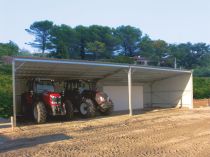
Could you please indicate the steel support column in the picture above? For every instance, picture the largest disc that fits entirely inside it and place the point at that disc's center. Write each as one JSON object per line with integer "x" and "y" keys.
{"x": 191, "y": 79}
{"x": 14, "y": 94}
{"x": 130, "y": 91}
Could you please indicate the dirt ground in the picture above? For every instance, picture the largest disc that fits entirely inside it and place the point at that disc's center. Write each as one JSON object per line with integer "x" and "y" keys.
{"x": 201, "y": 103}
{"x": 162, "y": 133}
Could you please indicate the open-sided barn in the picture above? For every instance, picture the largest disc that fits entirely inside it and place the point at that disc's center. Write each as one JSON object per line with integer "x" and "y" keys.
{"x": 131, "y": 87}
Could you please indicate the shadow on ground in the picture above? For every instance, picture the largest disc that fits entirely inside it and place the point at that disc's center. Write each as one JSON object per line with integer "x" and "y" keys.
{"x": 22, "y": 121}
{"x": 8, "y": 144}
{"x": 4, "y": 123}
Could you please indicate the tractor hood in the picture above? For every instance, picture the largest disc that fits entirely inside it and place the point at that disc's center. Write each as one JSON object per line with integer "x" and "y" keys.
{"x": 55, "y": 94}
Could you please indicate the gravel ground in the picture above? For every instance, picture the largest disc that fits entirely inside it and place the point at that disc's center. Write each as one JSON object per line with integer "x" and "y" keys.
{"x": 163, "y": 133}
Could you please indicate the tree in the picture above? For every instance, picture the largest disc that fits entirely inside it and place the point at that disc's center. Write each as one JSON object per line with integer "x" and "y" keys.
{"x": 191, "y": 55}
{"x": 8, "y": 49}
{"x": 41, "y": 31}
{"x": 155, "y": 50}
{"x": 104, "y": 35}
{"x": 146, "y": 47}
{"x": 63, "y": 40}
{"x": 160, "y": 50}
{"x": 201, "y": 54}
{"x": 94, "y": 34}
{"x": 98, "y": 48}
{"x": 83, "y": 37}
{"x": 107, "y": 43}
{"x": 128, "y": 39}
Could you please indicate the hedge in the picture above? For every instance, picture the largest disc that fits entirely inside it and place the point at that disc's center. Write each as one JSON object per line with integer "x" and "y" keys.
{"x": 5, "y": 91}
{"x": 201, "y": 87}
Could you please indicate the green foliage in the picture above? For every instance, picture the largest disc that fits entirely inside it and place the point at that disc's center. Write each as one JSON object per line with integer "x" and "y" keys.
{"x": 128, "y": 38}
{"x": 41, "y": 31}
{"x": 123, "y": 59}
{"x": 94, "y": 34}
{"x": 8, "y": 49}
{"x": 97, "y": 47}
{"x": 154, "y": 50}
{"x": 5, "y": 70}
{"x": 201, "y": 86}
{"x": 202, "y": 71}
{"x": 105, "y": 36}
{"x": 190, "y": 55}
{"x": 146, "y": 47}
{"x": 83, "y": 37}
{"x": 5, "y": 90}
{"x": 64, "y": 40}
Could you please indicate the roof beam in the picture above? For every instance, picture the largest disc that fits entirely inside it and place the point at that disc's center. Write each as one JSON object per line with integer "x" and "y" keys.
{"x": 110, "y": 74}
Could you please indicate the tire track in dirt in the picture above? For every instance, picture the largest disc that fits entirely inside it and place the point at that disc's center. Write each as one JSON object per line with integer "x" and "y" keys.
{"x": 164, "y": 133}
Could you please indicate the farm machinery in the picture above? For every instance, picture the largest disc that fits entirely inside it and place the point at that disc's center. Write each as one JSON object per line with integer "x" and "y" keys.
{"x": 86, "y": 98}
{"x": 42, "y": 101}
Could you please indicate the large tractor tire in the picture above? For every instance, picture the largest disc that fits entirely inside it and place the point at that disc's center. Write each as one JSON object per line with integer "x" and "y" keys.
{"x": 87, "y": 108}
{"x": 107, "y": 111}
{"x": 40, "y": 112}
{"x": 69, "y": 110}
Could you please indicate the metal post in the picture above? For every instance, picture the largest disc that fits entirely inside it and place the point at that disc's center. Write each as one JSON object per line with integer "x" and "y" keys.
{"x": 151, "y": 95}
{"x": 129, "y": 91}
{"x": 191, "y": 79}
{"x": 14, "y": 95}
{"x": 12, "y": 122}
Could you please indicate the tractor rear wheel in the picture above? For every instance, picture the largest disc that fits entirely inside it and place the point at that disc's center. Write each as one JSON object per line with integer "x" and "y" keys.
{"x": 87, "y": 108}
{"x": 40, "y": 113}
{"x": 107, "y": 111}
{"x": 69, "y": 110}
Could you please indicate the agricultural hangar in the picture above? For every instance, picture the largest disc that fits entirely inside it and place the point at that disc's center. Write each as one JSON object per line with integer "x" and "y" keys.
{"x": 131, "y": 87}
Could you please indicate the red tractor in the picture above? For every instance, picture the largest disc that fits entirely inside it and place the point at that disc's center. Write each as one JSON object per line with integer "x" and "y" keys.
{"x": 86, "y": 99}
{"x": 41, "y": 101}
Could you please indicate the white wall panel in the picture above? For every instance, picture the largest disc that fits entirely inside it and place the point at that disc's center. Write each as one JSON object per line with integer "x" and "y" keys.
{"x": 175, "y": 91}
{"x": 147, "y": 95}
{"x": 119, "y": 95}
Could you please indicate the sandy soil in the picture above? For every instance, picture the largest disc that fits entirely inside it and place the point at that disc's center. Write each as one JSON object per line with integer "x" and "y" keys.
{"x": 164, "y": 133}
{"x": 201, "y": 102}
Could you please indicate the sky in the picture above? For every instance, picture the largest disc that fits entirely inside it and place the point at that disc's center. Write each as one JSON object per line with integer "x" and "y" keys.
{"x": 174, "y": 21}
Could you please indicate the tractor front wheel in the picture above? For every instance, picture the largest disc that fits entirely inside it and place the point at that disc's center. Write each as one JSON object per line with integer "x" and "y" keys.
{"x": 69, "y": 110}
{"x": 40, "y": 113}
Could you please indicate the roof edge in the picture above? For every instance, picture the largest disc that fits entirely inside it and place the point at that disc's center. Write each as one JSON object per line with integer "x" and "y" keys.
{"x": 100, "y": 64}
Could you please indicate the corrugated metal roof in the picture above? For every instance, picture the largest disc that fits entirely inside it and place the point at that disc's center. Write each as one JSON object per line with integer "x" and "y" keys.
{"x": 71, "y": 69}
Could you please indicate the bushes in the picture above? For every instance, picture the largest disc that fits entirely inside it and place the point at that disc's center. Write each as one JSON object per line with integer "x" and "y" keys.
{"x": 202, "y": 72}
{"x": 5, "y": 90}
{"x": 122, "y": 59}
{"x": 201, "y": 87}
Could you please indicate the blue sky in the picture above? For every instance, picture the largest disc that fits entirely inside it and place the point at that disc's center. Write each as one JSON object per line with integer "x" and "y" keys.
{"x": 174, "y": 21}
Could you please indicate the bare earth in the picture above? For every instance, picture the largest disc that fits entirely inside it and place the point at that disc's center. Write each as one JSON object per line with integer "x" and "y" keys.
{"x": 171, "y": 132}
